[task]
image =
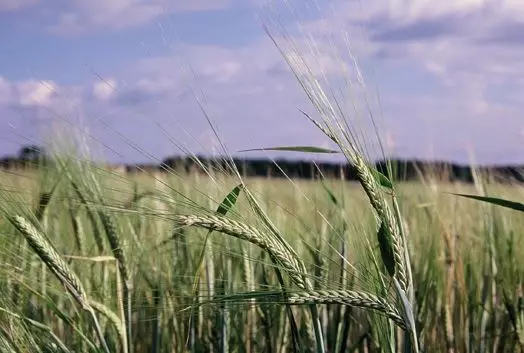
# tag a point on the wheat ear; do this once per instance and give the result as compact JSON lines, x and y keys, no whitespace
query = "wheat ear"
{"x":251,"y":234}
{"x":248,"y":233}
{"x":349,"y":298}
{"x":50,"y":256}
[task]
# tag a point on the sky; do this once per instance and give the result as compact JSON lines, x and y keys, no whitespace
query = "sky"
{"x":137,"y":80}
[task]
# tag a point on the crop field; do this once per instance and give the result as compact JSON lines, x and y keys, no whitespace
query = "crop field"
{"x":273,"y":176}
{"x":94,"y":261}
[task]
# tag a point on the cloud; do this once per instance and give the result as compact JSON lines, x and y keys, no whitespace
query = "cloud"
{"x":76,"y":17}
{"x":105,"y":89}
{"x":28,"y":93}
{"x":31,"y":108}
{"x":505,"y":33}
{"x":457,"y":64}
{"x":34,"y":93}
{"x":388,"y":30}
{"x":450,"y":76}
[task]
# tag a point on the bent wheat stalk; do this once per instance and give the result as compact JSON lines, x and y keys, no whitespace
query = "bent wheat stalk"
{"x":293,"y":266}
{"x":278,"y":249}
{"x":350,"y":298}
{"x":248,"y":233}
{"x":120,"y":327}
{"x":56,"y":264}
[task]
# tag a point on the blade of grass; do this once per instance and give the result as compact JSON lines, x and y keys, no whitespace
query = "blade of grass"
{"x":517,"y":206}
{"x":306,"y":149}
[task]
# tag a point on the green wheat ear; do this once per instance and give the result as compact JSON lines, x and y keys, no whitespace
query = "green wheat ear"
{"x":56,"y":264}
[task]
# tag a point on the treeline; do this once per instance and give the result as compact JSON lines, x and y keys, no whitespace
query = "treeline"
{"x":401,"y":170}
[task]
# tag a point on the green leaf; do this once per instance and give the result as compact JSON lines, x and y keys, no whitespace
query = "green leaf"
{"x":330,"y":194}
{"x":386,"y":249}
{"x":229,"y":200}
{"x":381,"y":178}
{"x":307,"y":149}
{"x":224,"y":207}
{"x":517,"y":206}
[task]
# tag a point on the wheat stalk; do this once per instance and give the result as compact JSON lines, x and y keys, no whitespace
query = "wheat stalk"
{"x":50,"y":256}
{"x":253,"y":235}
{"x":115,"y":320}
{"x":349,"y":298}
{"x":118,"y":253}
{"x":390,"y":236}
{"x":379,"y":204}
{"x":248,"y":233}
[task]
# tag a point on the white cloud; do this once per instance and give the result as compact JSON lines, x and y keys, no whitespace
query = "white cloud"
{"x":409,"y":10}
{"x":445,"y":84}
{"x":41,"y":95}
{"x":224,"y":72}
{"x":31,"y":107}
{"x":80,"y":16}
{"x":462,"y":72}
{"x":105,"y":89}
{"x":466,"y":53}
{"x":33,"y":93}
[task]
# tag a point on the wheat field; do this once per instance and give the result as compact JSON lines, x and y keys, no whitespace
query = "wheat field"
{"x":98,"y":261}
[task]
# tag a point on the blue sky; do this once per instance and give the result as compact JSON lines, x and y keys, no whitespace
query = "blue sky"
{"x":128,"y":74}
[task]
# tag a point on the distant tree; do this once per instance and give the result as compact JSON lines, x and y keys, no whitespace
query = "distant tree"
{"x":33,"y":154}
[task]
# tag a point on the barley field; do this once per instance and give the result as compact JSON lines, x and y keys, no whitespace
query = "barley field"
{"x":95,"y":261}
